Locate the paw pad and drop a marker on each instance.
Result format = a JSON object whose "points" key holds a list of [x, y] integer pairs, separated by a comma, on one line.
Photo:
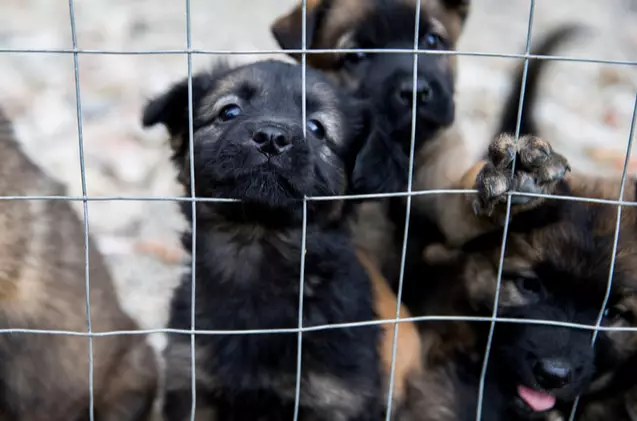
{"points": [[537, 170]]}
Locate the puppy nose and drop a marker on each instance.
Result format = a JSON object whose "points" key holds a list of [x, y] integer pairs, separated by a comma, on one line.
{"points": [[552, 373], [424, 93], [272, 140]]}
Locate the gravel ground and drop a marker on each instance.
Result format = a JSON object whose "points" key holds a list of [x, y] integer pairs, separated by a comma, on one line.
{"points": [[585, 109]]}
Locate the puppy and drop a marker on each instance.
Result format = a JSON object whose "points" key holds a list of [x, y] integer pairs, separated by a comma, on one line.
{"points": [[620, 398], [450, 213], [249, 145], [42, 286], [442, 157], [556, 266], [386, 80]]}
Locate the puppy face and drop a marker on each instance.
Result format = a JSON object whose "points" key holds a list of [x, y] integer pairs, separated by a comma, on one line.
{"points": [[249, 142], [385, 78], [558, 273]]}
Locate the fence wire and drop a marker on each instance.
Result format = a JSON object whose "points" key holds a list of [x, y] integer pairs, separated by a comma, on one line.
{"points": [[80, 135], [408, 194], [193, 210], [412, 147], [505, 232], [299, 347]]}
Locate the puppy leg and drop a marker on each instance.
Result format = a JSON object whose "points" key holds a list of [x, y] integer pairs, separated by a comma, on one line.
{"points": [[538, 170], [601, 187], [408, 351], [132, 392]]}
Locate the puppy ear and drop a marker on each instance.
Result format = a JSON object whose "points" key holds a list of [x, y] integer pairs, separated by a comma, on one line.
{"points": [[380, 167], [360, 122], [171, 110], [287, 29], [171, 107]]}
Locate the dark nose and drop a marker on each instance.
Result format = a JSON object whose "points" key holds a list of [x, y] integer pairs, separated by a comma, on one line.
{"points": [[552, 373], [424, 93], [272, 140]]}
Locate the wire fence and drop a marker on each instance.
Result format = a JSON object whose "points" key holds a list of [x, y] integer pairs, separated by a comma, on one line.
{"points": [[408, 194]]}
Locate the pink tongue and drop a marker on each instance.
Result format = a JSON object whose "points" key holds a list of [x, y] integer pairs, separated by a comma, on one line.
{"points": [[538, 401]]}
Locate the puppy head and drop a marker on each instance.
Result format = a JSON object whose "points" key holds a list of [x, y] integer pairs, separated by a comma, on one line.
{"points": [[385, 78], [248, 136], [557, 273]]}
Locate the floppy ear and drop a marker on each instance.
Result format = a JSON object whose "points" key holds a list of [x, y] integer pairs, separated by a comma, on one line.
{"points": [[171, 107], [360, 122], [381, 166], [287, 29]]}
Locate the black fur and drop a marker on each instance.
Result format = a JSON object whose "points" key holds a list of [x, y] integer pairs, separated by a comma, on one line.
{"points": [[248, 254], [386, 79], [528, 121], [567, 283]]}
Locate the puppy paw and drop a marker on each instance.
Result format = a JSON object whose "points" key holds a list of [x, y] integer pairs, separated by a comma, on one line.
{"points": [[538, 169]]}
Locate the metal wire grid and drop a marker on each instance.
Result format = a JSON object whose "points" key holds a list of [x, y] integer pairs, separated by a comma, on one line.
{"points": [[90, 334], [496, 299]]}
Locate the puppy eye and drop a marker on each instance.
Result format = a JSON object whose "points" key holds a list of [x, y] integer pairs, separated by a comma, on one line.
{"points": [[434, 41], [529, 285], [317, 128], [355, 58], [616, 312], [229, 112]]}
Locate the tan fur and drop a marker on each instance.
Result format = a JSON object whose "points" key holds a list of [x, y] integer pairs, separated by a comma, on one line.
{"points": [[42, 286], [319, 390], [431, 397], [480, 269], [372, 229], [344, 15], [447, 164], [408, 352], [622, 407], [441, 161], [440, 164]]}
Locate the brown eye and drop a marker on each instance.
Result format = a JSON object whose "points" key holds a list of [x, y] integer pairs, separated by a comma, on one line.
{"points": [[354, 58], [530, 286], [316, 128], [616, 312], [434, 41], [229, 112]]}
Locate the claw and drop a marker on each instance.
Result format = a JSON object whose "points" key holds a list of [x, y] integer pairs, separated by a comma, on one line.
{"points": [[510, 156], [539, 167], [476, 207]]}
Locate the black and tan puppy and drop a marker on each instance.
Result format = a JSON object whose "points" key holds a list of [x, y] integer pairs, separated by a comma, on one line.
{"points": [[42, 286], [386, 79], [249, 144], [556, 267]]}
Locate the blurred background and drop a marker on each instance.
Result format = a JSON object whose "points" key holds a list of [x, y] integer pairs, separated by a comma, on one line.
{"points": [[585, 109]]}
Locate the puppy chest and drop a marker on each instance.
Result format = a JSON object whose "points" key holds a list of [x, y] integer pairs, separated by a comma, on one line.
{"points": [[266, 270]]}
